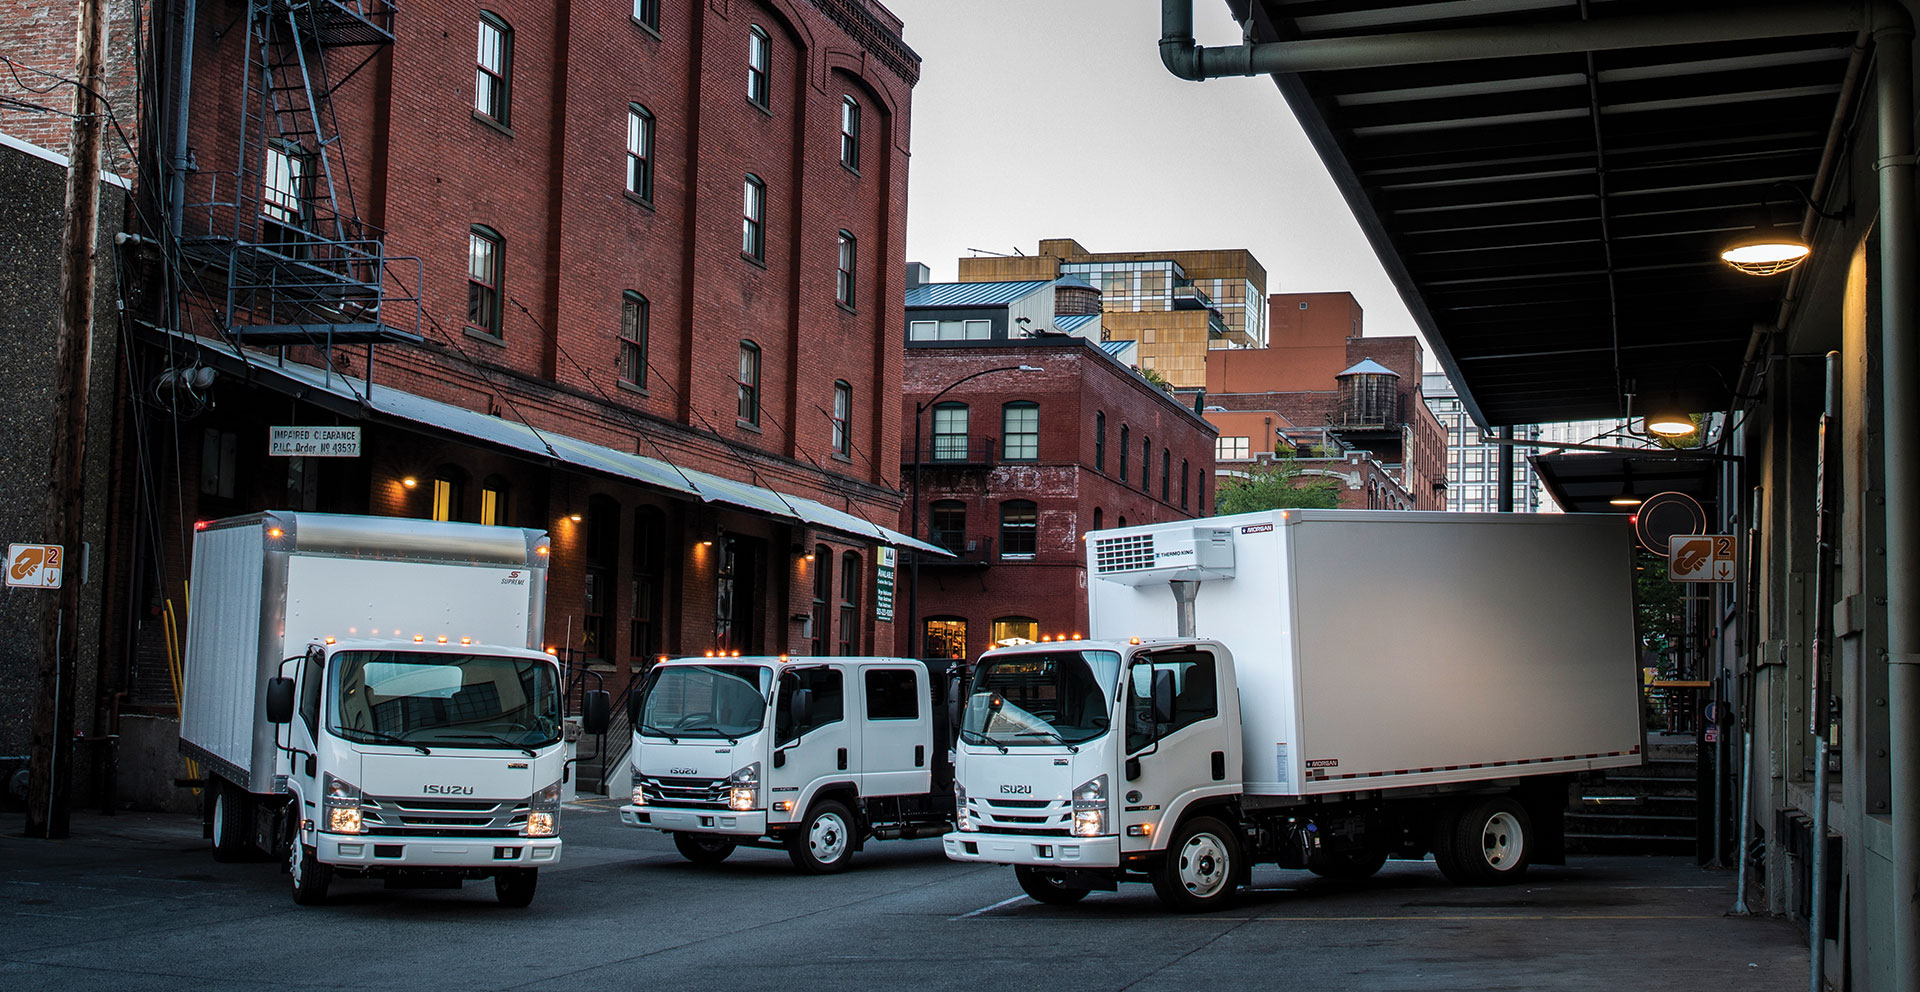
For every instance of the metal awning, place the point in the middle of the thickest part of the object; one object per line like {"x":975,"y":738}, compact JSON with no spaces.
{"x":1586,"y":482}
{"x":352,"y":398}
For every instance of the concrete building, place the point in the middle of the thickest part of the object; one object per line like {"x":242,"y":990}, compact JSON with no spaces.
{"x":1175,"y":305}
{"x":1024,"y":445}
{"x":1318,"y":383}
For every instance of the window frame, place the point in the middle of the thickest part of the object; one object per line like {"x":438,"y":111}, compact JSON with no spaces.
{"x":753,"y":219}
{"x":760,"y":69}
{"x":1011,"y":526}
{"x":850,"y":575}
{"x":646,"y":13}
{"x":748,"y":381}
{"x":842,"y":417}
{"x":850,"y":133}
{"x":1099,"y":440}
{"x":1030,"y":439}
{"x":635,"y":315}
{"x":496,"y":82}
{"x":491,"y":295}
{"x":953,"y":538}
{"x":1125,"y":446}
{"x":934,"y":449}
{"x":640,"y":130}
{"x":846,"y":259}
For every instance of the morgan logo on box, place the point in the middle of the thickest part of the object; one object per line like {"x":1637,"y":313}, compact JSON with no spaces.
{"x":447,"y":790}
{"x":1017,"y":790}
{"x":1256,"y":528}
{"x":1324,"y":763}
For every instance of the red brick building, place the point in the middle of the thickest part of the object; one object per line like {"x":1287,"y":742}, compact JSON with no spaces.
{"x":1015,"y":467}
{"x":630,"y":275}
{"x":1321,"y":391}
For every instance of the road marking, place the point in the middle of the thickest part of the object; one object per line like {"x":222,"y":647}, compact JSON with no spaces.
{"x":986,"y":909}
{"x":1420,"y":919}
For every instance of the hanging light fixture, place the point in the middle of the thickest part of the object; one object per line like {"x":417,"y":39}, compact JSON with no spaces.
{"x":1769,"y":249}
{"x":1669,"y":420}
{"x":1626,"y":497}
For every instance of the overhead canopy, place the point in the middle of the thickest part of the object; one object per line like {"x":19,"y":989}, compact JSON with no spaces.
{"x":1586,"y":482}
{"x":352,"y":397}
{"x":1555,"y":220}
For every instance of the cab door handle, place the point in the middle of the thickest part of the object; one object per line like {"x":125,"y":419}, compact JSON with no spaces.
{"x":919,"y":756}
{"x":843,"y":759}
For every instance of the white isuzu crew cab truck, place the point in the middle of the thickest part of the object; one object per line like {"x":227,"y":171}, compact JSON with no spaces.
{"x":366,"y":699}
{"x":816,"y":755}
{"x":1318,"y":689}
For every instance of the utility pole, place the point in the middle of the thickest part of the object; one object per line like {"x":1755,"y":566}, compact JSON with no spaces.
{"x":50,"y":772}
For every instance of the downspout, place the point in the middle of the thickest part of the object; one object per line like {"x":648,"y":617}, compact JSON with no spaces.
{"x":1893,"y":82}
{"x":183,"y":98}
{"x":1820,"y":708}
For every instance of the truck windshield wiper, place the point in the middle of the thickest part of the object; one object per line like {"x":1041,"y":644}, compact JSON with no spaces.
{"x":530,"y":752}
{"x":1071,"y":748}
{"x":647,"y":728}
{"x":380,"y":738}
{"x":730,"y":738}
{"x":980,"y":738}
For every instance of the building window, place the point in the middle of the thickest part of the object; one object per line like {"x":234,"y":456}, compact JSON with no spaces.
{"x":923,"y":330}
{"x":850,"y":133}
{"x":944,"y":637}
{"x":640,"y":152}
{"x":1007,"y":628}
{"x":948,"y":527}
{"x":759,"y":55}
{"x":1225,"y":448}
{"x":284,"y":197}
{"x":1183,"y":483}
{"x":493,"y":502}
{"x":850,"y":603}
{"x":648,"y":578}
{"x":603,"y":534}
{"x":822,"y":585}
{"x":1019,"y":528}
{"x":1020,"y":431}
{"x":842,"y":414}
{"x":1123,"y":454}
{"x":633,"y":338}
{"x":843,"y":284}
{"x":647,"y":12}
{"x":493,"y":76}
{"x":950,"y":432}
{"x":1099,"y":440}
{"x":1166,"y":474}
{"x":749,"y":382}
{"x":1099,"y":518}
{"x":1146,"y":462}
{"x":446,"y":498}
{"x":485,"y":251}
{"x":753,"y":240}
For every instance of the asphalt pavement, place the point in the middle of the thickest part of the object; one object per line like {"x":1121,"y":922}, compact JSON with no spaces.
{"x":135,"y":901}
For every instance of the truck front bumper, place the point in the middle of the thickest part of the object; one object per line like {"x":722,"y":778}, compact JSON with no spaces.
{"x":1022,"y":849}
{"x":696,"y":821}
{"x":372,"y":851}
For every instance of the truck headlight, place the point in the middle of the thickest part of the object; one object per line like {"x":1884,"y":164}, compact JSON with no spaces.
{"x":639,"y":792}
{"x":962,"y":818}
{"x":341,"y":800}
{"x":743,"y":788}
{"x":543,"y":812}
{"x":1090,"y":808}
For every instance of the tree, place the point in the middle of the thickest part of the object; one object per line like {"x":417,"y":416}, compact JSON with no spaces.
{"x":1276,"y":488}
{"x":1662,"y":608}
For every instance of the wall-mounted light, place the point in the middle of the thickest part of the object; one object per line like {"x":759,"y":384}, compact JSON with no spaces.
{"x":410,"y":482}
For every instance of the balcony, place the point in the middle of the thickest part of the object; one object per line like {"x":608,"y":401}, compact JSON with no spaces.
{"x":975,"y":552}
{"x":951,"y":452}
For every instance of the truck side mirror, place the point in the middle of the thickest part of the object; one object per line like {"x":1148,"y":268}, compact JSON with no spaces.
{"x":594,"y":707}
{"x":636,"y":696}
{"x":1162,"y":696}
{"x":280,"y":700}
{"x":800,"y":710}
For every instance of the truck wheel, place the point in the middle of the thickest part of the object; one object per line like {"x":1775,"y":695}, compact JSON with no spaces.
{"x":1201,"y":869}
{"x":514,"y":886}
{"x":1487,"y":842}
{"x":702,"y":849}
{"x":310,"y":877}
{"x":1047,"y":887}
{"x":823,"y":843}
{"x":1347,"y":865}
{"x":230,"y":821}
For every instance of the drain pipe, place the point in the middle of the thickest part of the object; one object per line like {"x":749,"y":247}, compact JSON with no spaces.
{"x":1820,"y":708}
{"x":1893,"y":82}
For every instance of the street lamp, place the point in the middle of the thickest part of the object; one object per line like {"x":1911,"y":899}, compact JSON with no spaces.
{"x":913,"y":583}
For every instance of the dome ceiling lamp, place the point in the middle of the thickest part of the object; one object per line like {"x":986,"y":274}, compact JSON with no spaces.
{"x":1769,"y":249}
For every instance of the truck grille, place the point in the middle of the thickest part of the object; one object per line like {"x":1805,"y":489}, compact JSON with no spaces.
{"x":685,"y":791}
{"x":394,"y":816}
{"x":1130,"y":553}
{"x":1040,"y":817}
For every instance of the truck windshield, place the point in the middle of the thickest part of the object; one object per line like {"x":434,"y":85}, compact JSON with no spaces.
{"x":444,"y":700}
{"x":705,"y":701}
{"x":1048,"y":698}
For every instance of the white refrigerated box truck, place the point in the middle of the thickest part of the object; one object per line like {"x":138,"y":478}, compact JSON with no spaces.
{"x":1320,"y":689}
{"x":366,"y":698}
{"x":816,"y":755}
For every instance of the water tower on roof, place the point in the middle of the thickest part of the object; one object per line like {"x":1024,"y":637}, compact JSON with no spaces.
{"x":1369,"y":396}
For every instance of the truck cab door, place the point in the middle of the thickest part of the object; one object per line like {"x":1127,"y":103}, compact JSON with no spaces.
{"x":896,"y":731}
{"x":1170,"y":762}
{"x":819,"y":751}
{"x":303,"y":733}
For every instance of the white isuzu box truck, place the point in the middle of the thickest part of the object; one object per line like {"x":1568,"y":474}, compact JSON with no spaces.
{"x":1320,"y":689}
{"x":366,"y":699}
{"x":816,"y":755}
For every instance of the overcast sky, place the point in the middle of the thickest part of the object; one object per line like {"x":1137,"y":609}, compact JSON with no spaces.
{"x":1054,"y":118}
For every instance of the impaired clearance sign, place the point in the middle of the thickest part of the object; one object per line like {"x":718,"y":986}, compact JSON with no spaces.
{"x":314,"y":442}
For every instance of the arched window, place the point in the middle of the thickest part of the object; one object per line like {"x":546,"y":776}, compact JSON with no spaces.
{"x":1099,"y":521}
{"x":850,"y":132}
{"x":1019,"y":529}
{"x":843,"y":280}
{"x":944,"y":637}
{"x":1100,"y":440}
{"x":1020,"y":431}
{"x":1183,"y":483}
{"x":634,"y":313}
{"x":602,"y":558}
{"x":749,"y":383}
{"x":1166,"y":474}
{"x":1124,"y":429}
{"x":648,"y":578}
{"x":949,"y":525}
{"x":759,"y":65}
{"x":842,"y":417}
{"x":850,"y":603}
{"x":493,"y":502}
{"x":822,"y":588}
{"x":1007,"y":628}
{"x":950,"y":432}
{"x":449,"y":485}
{"x":1146,"y":462}
{"x":493,"y":74}
{"x":640,"y":151}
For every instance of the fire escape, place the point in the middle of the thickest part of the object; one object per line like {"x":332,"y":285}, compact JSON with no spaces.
{"x":278,"y":235}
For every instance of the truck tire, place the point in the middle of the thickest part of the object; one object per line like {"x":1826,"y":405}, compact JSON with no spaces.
{"x":514,"y":886}
{"x":1201,"y":870}
{"x":310,"y":878}
{"x":1047,"y":887}
{"x":702,"y":849}
{"x":231,"y":820}
{"x":823,"y":843}
{"x":1350,"y":866}
{"x":1484,"y":842}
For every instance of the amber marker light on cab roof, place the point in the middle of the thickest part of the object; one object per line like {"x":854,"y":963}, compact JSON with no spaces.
{"x":1133,"y":640}
{"x":419,"y":638}
{"x":329,"y":638}
{"x":552,"y":650}
{"x":442,"y":639}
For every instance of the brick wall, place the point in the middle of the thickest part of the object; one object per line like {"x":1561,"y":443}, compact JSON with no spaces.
{"x":36,"y":104}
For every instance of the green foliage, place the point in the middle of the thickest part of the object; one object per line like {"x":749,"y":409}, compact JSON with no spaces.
{"x":1662,"y":609}
{"x":1155,"y":379}
{"x":1278,"y":488}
